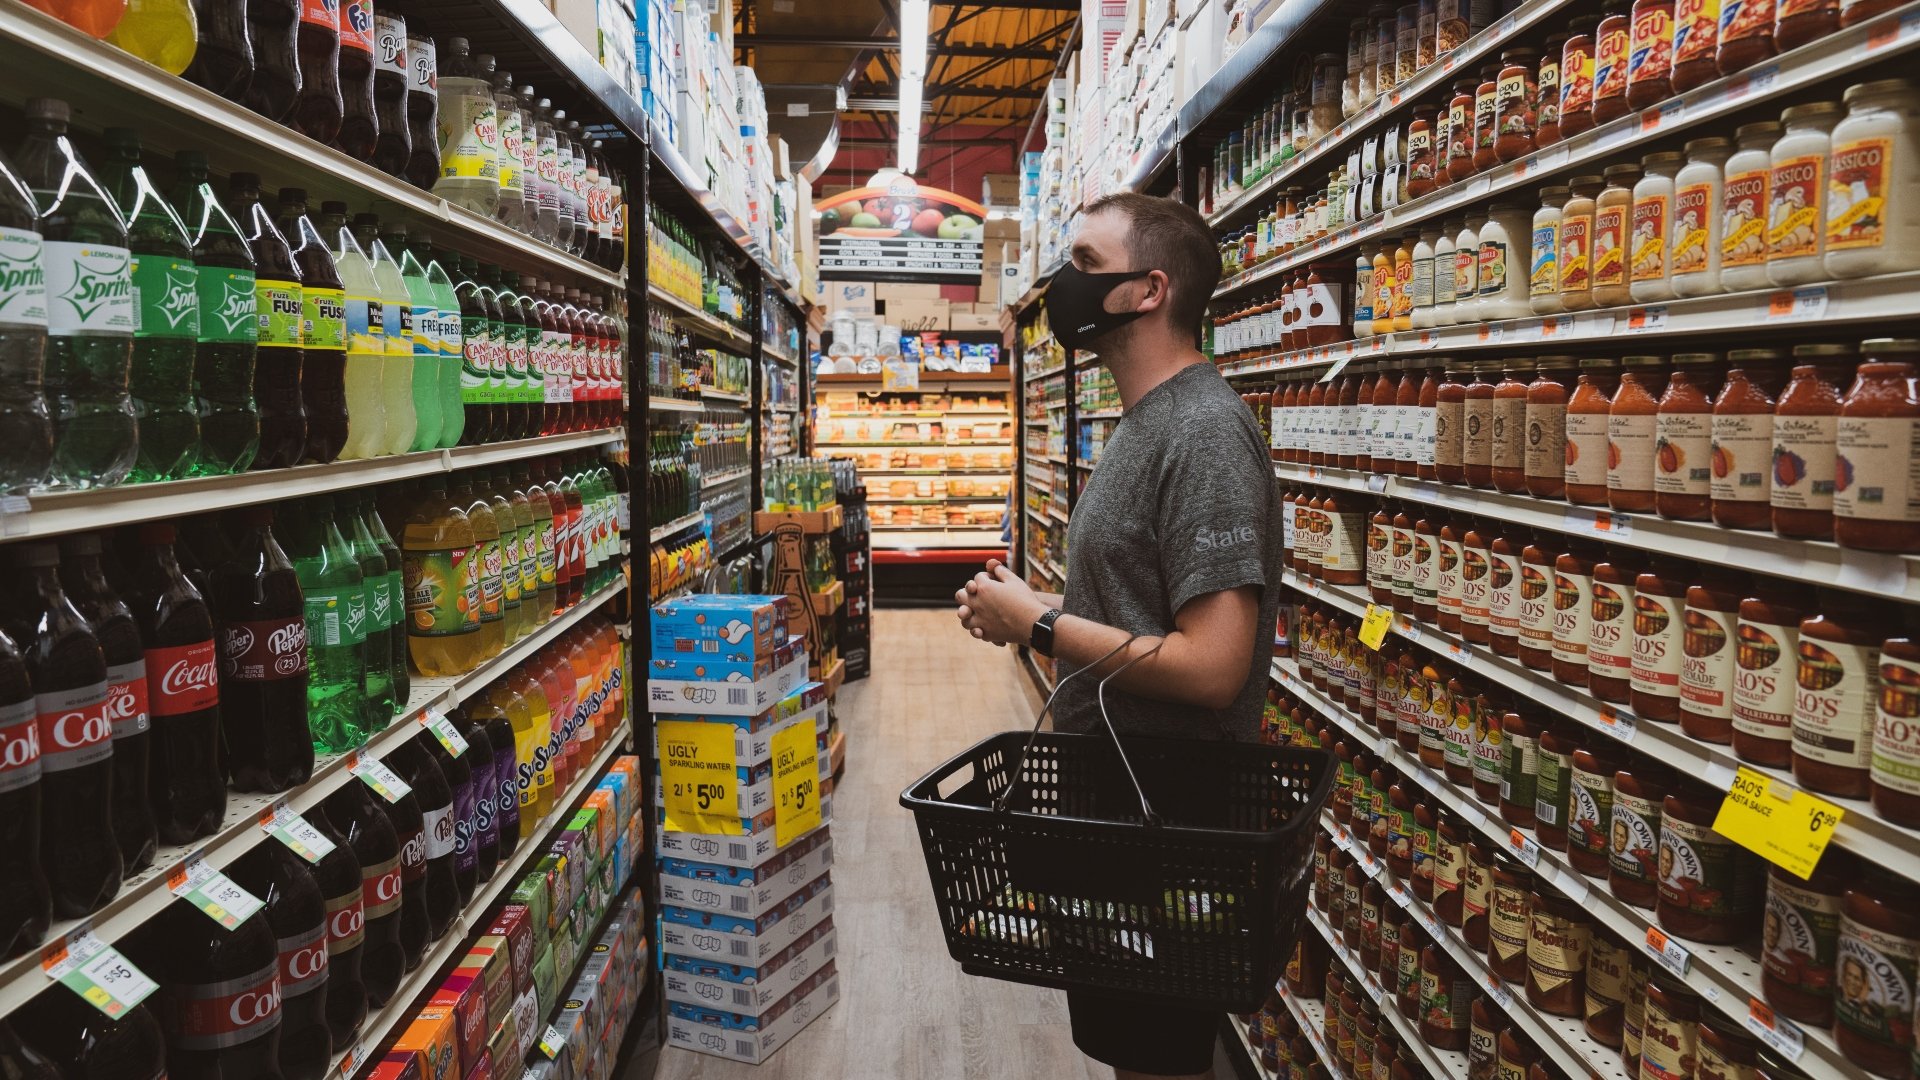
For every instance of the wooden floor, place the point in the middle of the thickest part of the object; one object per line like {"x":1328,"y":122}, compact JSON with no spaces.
{"x":905,"y":1011}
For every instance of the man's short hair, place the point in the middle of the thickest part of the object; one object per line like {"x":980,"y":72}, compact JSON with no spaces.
{"x":1170,"y":236}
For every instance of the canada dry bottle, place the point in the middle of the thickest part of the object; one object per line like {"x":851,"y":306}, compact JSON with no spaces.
{"x":281,"y":341}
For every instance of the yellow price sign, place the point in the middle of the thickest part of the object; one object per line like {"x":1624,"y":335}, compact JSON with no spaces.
{"x":699,"y":777}
{"x":1779,"y":822}
{"x":796,"y":782}
{"x":1373,"y":628}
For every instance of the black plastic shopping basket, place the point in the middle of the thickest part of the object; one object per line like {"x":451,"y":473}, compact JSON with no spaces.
{"x":1169,"y":869}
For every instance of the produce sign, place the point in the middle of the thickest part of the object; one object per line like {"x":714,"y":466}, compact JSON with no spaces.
{"x":901,"y":232}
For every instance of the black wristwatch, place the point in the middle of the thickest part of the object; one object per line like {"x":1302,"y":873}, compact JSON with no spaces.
{"x":1042,"y":638}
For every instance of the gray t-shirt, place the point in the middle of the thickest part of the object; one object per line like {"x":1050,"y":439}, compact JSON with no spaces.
{"x":1184,"y":503}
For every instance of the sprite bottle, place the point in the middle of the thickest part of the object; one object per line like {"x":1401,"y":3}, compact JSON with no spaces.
{"x":228,"y":324}
{"x":26,"y":428}
{"x":336,"y":612}
{"x":382,"y":605}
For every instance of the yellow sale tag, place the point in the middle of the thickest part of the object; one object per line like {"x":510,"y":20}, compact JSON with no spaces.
{"x":796,"y":782}
{"x":699,"y":777}
{"x":1778,"y":822}
{"x":1373,"y":628}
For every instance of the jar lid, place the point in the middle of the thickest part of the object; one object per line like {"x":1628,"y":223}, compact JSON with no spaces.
{"x":1556,"y":363}
{"x":1819,"y":350}
{"x":1599,"y":363}
{"x":1555,"y":193}
{"x":1812,"y":111}
{"x":1587,"y":181}
{"x":1712,"y":144}
{"x":1754,"y":356}
{"x":1695,"y":359}
{"x":1884,"y":346}
{"x":1519,"y":54}
{"x":1643,"y":361}
{"x":1762,"y":129}
{"x":1509,"y":207}
{"x":1665,"y":159}
{"x":1328,"y":58}
{"x":1876,"y":88}
{"x":1515,"y":363}
{"x":1628,"y":172}
{"x":1583,"y":24}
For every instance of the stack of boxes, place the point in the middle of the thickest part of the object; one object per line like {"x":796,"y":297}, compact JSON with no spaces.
{"x":549,"y":989}
{"x":746,"y":926}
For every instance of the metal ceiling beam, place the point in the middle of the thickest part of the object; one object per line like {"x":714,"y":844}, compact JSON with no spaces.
{"x":1017,"y":93}
{"x":1016,"y":5}
{"x":773,"y":41}
{"x":885,"y":144}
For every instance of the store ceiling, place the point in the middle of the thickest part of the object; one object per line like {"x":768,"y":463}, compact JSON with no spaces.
{"x":987,"y":68}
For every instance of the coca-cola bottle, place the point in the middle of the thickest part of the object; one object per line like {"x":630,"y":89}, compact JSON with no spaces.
{"x":223,"y":49}
{"x":486,"y":791}
{"x":263,"y":660}
{"x":78,"y":851}
{"x":25,"y":906}
{"x":435,"y":795}
{"x":18,"y":1061}
{"x":82,"y":1041}
{"x":338,"y":875}
{"x":459,"y":778}
{"x":119,"y":638}
{"x":219,"y":998}
{"x":185,"y":789}
{"x":317,"y":108}
{"x":369,"y":834}
{"x":274,"y":26}
{"x":393,"y":142}
{"x":298,"y":915}
{"x":359,"y":125}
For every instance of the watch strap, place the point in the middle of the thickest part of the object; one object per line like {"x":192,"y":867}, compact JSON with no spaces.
{"x":1041,"y":640}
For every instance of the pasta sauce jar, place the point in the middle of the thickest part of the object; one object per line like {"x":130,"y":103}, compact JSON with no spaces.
{"x":1650,"y":54}
{"x":1610,"y":633}
{"x":1632,"y":421}
{"x":1879,"y":950}
{"x":1586,"y":426}
{"x":1896,"y":733}
{"x":1707,"y":644}
{"x":1608,"y":973}
{"x":1742,"y":466}
{"x":1659,"y":622}
{"x":1633,"y":855}
{"x":1590,"y":814}
{"x":1709,"y":885}
{"x":1544,"y":456}
{"x":1559,"y":934}
{"x":1576,"y":76}
{"x":1766,"y":656}
{"x":1669,"y":1024}
{"x":1799,"y":935}
{"x":1837,"y":692}
{"x":1683,"y":438}
{"x":1876,"y":492}
{"x":1805,"y":423}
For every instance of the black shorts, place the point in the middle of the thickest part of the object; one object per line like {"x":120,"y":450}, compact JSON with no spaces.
{"x":1156,"y":1038}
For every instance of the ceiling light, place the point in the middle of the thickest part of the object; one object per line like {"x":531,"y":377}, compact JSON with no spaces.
{"x":913,"y":72}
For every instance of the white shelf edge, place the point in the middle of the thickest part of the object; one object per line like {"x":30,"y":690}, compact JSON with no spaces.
{"x":656,"y":535}
{"x":727,"y":477}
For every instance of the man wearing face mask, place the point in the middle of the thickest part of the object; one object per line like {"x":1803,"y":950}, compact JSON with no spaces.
{"x":1176,"y":538}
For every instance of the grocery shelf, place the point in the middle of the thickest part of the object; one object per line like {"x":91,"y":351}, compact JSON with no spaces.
{"x":52,"y":513}
{"x":1099,"y":414}
{"x":144,"y":894}
{"x":1813,"y":561}
{"x":922,"y":414}
{"x":1035,"y":514}
{"x":1757,"y":312}
{"x":881,"y":474}
{"x":904,"y":537}
{"x":919,"y":445}
{"x":563,"y":53}
{"x":839,"y":378}
{"x":726,"y":477}
{"x":780,"y":355}
{"x":1246,"y":1046}
{"x":668,"y":404}
{"x":1486,"y":43}
{"x":722,"y":395}
{"x":400,"y":1009}
{"x":107,"y":86}
{"x":1153,"y":156}
{"x":1310,"y":1015}
{"x":693,"y":185}
{"x":1059,"y":573}
{"x":1437,"y":1062}
{"x":1249,"y":62}
{"x":1893,"y":33}
{"x":693,"y":318}
{"x":932,"y":500}
{"x":1861,"y":830}
{"x":698,"y":517}
{"x":1725,"y":975}
{"x":1039,"y":673}
{"x":1043,"y":373}
{"x":1056,"y":514}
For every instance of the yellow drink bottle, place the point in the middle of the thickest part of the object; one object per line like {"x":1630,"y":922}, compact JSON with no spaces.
{"x":440,"y":567}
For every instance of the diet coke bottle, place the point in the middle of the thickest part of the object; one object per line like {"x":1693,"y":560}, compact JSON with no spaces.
{"x":338,"y":875}
{"x":376,"y":847}
{"x":298,"y":915}
{"x":219,"y":998}
{"x":78,"y":851}
{"x":119,"y":638}
{"x":80,"y":1040}
{"x":19,"y":1061}
{"x":184,"y":784}
{"x":25,"y":906}
{"x":263,"y":661}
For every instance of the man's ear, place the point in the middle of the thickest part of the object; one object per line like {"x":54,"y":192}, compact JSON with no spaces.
{"x":1158,"y":290}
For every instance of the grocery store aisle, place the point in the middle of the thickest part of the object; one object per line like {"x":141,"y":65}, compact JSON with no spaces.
{"x":906,"y":1012}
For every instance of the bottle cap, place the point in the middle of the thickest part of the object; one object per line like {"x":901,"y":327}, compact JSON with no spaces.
{"x":46,"y":108}
{"x":37,"y":553}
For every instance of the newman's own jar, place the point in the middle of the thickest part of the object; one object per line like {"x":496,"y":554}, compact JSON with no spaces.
{"x":1878,"y":950}
{"x":1709,"y":885}
{"x":1633,"y":855}
{"x":1799,"y":936}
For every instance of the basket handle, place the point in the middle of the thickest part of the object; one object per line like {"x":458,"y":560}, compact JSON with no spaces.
{"x":1000,"y":801}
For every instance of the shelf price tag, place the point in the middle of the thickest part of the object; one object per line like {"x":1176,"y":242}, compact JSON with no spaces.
{"x":1558,"y":326}
{"x":1643,"y":319}
{"x":796,"y":783}
{"x":13,"y":515}
{"x":1600,"y":523}
{"x":552,"y":1042}
{"x":1667,"y":952}
{"x":97,"y":972}
{"x":1777,"y":821}
{"x":1618,"y":722}
{"x":1334,"y":369}
{"x":1491,"y":333}
{"x":443,"y":731}
{"x":1776,"y":1031}
{"x":377,"y":776}
{"x":1373,"y":627}
{"x":355,"y":1057}
{"x":288,"y":827}
{"x":212,"y":892}
{"x":1499,"y":990}
{"x":1377,"y":483}
{"x":1797,"y":305}
{"x":1522,"y":847}
{"x":699,"y":777}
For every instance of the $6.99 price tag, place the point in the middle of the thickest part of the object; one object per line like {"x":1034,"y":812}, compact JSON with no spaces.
{"x":97,"y":972}
{"x":1777,"y":821}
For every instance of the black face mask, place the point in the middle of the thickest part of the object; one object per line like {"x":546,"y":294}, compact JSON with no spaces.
{"x":1076,"y":305}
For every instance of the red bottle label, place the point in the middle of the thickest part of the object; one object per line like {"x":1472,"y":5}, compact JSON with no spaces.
{"x":74,"y":729}
{"x":183,"y":678}
{"x":213,"y":1016}
{"x":1651,"y":52}
{"x":356,"y":26}
{"x":1741,"y":19}
{"x":321,"y":13}
{"x":1610,"y":70}
{"x":19,"y":746}
{"x":380,"y":890}
{"x":264,"y":649}
{"x":303,"y":962}
{"x":127,"y":699}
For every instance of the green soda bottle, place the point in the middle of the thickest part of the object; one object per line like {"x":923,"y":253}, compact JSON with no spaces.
{"x":336,"y":609}
{"x":376,"y":654}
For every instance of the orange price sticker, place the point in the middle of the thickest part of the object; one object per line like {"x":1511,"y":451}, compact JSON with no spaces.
{"x":1883,"y":35}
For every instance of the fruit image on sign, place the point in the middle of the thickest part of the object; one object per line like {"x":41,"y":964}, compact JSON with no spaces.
{"x":900,"y":230}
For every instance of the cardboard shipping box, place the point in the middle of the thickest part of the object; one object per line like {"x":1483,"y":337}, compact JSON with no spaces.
{"x":913,"y":316}
{"x":974,"y":317}
{"x":892,"y":290}
{"x":852,"y":297}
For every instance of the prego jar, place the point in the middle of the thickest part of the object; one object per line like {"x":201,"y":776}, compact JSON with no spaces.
{"x":1459,"y":151}
{"x":1613,"y":236}
{"x":1445,"y":996}
{"x":1483,"y":1026}
{"x":1588,"y":411}
{"x":1767,"y":654}
{"x":1709,"y":885}
{"x":1833,"y":709}
{"x":1872,"y":224}
{"x":1742,"y":480}
{"x":1516,"y":93}
{"x":1484,"y":96}
{"x":1797,"y":22}
{"x":1797,"y":189}
{"x":1694,"y":247}
{"x":1547,"y":92}
{"x":1649,"y":272}
{"x":1631,"y":425}
{"x":1543,"y":279}
{"x":1876,"y":494}
{"x":1805,"y":423}
{"x":1799,"y":936}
